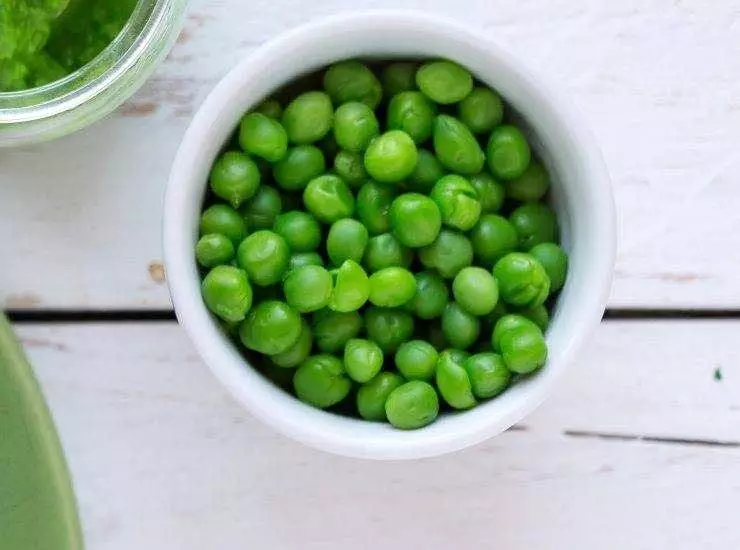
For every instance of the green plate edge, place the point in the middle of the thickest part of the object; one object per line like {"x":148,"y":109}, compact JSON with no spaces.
{"x":38,"y":510}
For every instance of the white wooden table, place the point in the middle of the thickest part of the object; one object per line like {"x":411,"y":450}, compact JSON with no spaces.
{"x":639,"y":448}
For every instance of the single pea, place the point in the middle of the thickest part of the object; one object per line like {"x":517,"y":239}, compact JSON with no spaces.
{"x":508,"y":152}
{"x":413,"y":113}
{"x":355,"y":126}
{"x":524,"y":350}
{"x":538,"y":315}
{"x":448,"y":254}
{"x":332,"y":329}
{"x":490,"y":193}
{"x":452,"y":380}
{"x":227,"y":293}
{"x":415,"y":219}
{"x":412,"y":405}
{"x":444,"y":82}
{"x":488,"y":374}
{"x":321,"y":381}
{"x":304,"y":258}
{"x":386,"y":251}
{"x":301,"y":164}
{"x":363,"y":359}
{"x":531,"y":186}
{"x":475,"y":290}
{"x":223,"y":220}
{"x":457,"y":201}
{"x":431,"y":296}
{"x":260,"y":212}
{"x":493,"y":237}
{"x":555,"y":261}
{"x":300,"y":230}
{"x":374,"y":206}
{"x":264,"y":255}
{"x":392,"y":287}
{"x":535,"y":223}
{"x":270,"y":108}
{"x":308,"y":118}
{"x":271,"y":327}
{"x":351,"y":168}
{"x":351,"y":287}
{"x":416,"y":360}
{"x":371,"y":397}
{"x":263,"y":137}
{"x":298,"y":352}
{"x":481,"y":110}
{"x":426,"y":172}
{"x":308,"y":288}
{"x":391,"y":157}
{"x":461,"y":329}
{"x":508,"y":323}
{"x":214,"y":249}
{"x":456,"y":147}
{"x":328,"y":198}
{"x":389,"y":328}
{"x":352,"y":81}
{"x":399,"y":77}
{"x":234,"y":177}
{"x":347,"y":240}
{"x":522,"y":280}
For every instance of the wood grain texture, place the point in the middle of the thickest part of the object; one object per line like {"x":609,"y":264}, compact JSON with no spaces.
{"x":656,"y":80}
{"x":164,"y":458}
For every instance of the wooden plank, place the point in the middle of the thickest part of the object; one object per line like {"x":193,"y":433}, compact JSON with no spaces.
{"x":655,"y":79}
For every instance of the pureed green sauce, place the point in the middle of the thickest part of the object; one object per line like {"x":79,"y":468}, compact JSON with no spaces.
{"x":44,"y":40}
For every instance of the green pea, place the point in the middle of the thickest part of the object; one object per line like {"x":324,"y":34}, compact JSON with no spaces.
{"x":399,"y":77}
{"x":374,"y":206}
{"x":386,"y":251}
{"x":456,"y":147}
{"x":264,"y":255}
{"x":531,"y":186}
{"x":488,"y":374}
{"x":355,"y":126}
{"x":413,"y":113}
{"x":461,"y":329}
{"x":412,"y":405}
{"x":351,"y":287}
{"x":431,"y":296}
{"x":308,"y":288}
{"x":475,"y":290}
{"x":453,"y":382}
{"x":308,"y":118}
{"x":305,"y":258}
{"x":522,"y":280}
{"x":347,"y":240}
{"x":321,"y":381}
{"x":260,"y":212}
{"x":535,"y":223}
{"x":300,"y":230}
{"x":448,"y":254}
{"x":214,"y":249}
{"x":493,"y":237}
{"x":389,"y":328}
{"x":508,"y":152}
{"x":352,"y":81}
{"x":234,"y":177}
{"x":371,"y":397}
{"x":263,"y":137}
{"x":351,"y":168}
{"x":457,"y":201}
{"x":272,"y":327}
{"x":227,"y":293}
{"x":416,"y":360}
{"x":524,"y":350}
{"x":363,"y":359}
{"x":481,"y":110}
{"x":270,"y":108}
{"x":444,"y":82}
{"x":301,"y":164}
{"x":332,"y":329}
{"x":328,"y":198}
{"x":391,"y":157}
{"x":554,"y":260}
{"x":415,"y":219}
{"x":298,"y":352}
{"x":509,"y":323}
{"x":490,"y":193}
{"x":223,"y":220}
{"x":538,"y":315}
{"x":426,"y":172}
{"x":392,"y":287}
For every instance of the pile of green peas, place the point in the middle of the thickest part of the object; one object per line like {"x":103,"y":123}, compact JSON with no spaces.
{"x":376,"y":238}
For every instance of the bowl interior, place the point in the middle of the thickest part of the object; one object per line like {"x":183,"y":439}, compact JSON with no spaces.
{"x":580,"y":195}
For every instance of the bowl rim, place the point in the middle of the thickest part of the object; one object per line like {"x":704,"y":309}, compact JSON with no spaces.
{"x":300,"y":421}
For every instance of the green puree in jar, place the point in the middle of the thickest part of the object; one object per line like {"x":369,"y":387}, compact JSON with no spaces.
{"x":45,"y":40}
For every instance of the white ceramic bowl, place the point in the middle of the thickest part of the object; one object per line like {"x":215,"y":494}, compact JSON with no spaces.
{"x":581,"y":195}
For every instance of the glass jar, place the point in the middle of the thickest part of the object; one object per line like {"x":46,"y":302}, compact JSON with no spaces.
{"x":96,"y":89}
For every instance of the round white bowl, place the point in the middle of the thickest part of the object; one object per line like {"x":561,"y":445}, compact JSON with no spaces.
{"x":580,"y":190}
